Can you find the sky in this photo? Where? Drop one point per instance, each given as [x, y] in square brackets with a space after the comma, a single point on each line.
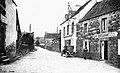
[44, 15]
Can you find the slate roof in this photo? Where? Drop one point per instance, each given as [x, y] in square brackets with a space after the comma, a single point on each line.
[101, 8]
[52, 35]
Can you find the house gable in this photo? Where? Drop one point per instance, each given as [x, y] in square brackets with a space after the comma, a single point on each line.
[101, 8]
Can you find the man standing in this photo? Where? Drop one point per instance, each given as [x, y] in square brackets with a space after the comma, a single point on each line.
[85, 53]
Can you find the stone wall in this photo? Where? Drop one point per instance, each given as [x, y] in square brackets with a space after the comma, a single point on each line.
[114, 58]
[94, 27]
[113, 51]
[94, 50]
[114, 26]
[79, 47]
[56, 47]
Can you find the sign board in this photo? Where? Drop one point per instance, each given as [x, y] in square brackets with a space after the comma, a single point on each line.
[105, 35]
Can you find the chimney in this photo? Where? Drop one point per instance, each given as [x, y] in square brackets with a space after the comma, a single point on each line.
[30, 28]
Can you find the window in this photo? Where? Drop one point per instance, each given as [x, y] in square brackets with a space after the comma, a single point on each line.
[64, 31]
[85, 28]
[72, 27]
[67, 29]
[59, 31]
[103, 24]
[118, 47]
[86, 45]
[67, 42]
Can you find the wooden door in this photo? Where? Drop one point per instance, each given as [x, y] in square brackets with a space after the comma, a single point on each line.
[2, 37]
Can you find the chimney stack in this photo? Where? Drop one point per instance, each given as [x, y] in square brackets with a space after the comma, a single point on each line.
[30, 28]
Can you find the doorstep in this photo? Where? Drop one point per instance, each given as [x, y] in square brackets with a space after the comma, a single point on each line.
[15, 58]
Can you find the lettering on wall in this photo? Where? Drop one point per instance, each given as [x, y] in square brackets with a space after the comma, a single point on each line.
[104, 35]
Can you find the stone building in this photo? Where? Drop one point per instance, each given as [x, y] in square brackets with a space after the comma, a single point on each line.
[52, 41]
[100, 32]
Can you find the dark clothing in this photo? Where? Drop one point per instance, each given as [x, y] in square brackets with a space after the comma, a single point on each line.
[85, 53]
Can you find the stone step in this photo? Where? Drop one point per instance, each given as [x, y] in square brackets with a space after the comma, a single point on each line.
[3, 57]
[2, 53]
[6, 59]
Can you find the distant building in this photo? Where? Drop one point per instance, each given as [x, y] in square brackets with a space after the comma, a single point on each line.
[52, 41]
[28, 39]
[39, 41]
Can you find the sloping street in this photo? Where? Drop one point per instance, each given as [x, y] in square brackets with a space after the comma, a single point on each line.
[44, 61]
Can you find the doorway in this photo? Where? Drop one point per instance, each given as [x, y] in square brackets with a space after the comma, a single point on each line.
[2, 37]
[104, 50]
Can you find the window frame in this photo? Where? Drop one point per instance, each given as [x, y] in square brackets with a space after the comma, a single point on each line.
[63, 31]
[67, 29]
[87, 45]
[72, 31]
[118, 47]
[104, 24]
[85, 28]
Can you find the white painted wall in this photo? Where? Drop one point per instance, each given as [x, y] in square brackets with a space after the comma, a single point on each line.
[11, 34]
[72, 38]
[10, 20]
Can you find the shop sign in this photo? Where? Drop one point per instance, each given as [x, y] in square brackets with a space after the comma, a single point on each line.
[105, 35]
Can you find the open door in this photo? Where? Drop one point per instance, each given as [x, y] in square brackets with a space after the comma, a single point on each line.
[2, 37]
[104, 50]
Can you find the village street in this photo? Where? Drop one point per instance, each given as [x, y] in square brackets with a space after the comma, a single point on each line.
[44, 61]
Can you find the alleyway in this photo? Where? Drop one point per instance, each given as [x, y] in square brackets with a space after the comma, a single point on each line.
[43, 61]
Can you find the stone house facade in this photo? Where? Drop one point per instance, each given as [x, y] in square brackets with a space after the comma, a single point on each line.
[100, 32]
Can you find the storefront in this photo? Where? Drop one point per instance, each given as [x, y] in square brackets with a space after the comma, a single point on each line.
[104, 43]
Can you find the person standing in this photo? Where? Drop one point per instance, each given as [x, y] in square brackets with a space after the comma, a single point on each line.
[85, 53]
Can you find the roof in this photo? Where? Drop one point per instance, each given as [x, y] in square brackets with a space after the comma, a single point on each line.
[14, 2]
[52, 35]
[2, 6]
[101, 8]
[77, 11]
